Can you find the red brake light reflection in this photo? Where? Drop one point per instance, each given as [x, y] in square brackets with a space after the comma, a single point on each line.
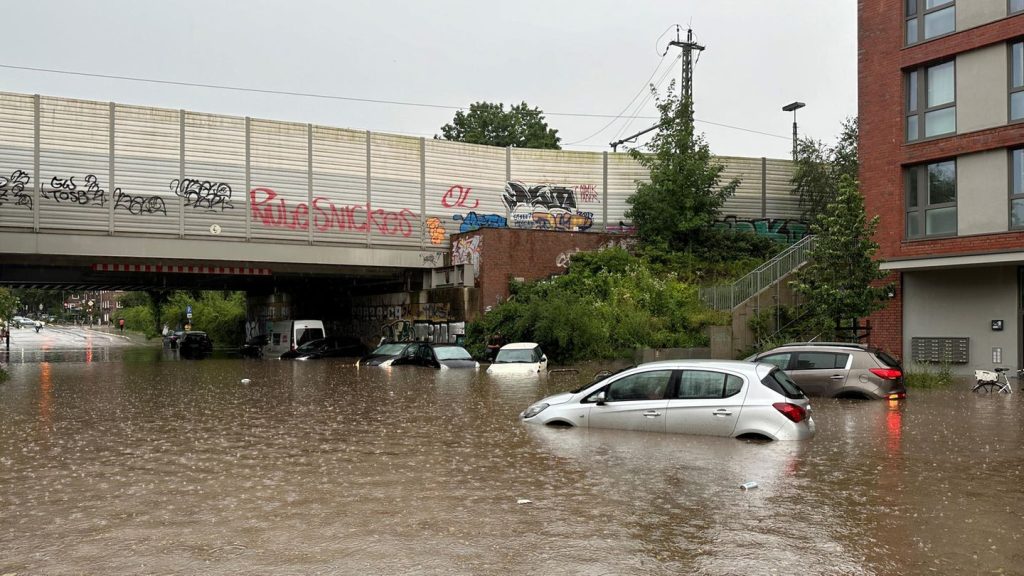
[887, 373]
[791, 411]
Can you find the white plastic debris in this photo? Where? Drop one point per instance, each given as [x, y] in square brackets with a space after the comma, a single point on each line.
[524, 501]
[246, 381]
[748, 485]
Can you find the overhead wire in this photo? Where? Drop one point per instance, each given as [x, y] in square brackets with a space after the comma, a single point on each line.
[626, 107]
[343, 98]
[650, 93]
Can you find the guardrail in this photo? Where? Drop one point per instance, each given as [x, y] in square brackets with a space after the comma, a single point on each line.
[729, 296]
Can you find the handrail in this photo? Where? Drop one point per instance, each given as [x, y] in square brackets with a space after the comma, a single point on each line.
[729, 296]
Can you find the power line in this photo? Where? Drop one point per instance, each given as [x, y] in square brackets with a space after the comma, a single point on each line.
[335, 97]
[271, 91]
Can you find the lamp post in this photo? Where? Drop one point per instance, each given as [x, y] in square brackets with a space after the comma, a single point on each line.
[793, 107]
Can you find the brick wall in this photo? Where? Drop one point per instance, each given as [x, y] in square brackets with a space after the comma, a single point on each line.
[507, 253]
[882, 62]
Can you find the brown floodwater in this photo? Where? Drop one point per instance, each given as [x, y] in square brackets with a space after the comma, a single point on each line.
[146, 465]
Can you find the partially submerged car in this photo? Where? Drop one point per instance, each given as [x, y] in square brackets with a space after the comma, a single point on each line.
[329, 347]
[442, 356]
[839, 370]
[382, 353]
[195, 344]
[709, 397]
[519, 357]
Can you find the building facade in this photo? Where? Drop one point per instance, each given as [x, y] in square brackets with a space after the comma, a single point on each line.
[941, 109]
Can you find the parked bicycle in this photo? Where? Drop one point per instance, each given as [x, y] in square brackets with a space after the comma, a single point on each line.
[994, 381]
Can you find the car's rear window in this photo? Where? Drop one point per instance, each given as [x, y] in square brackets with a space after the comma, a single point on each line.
[780, 382]
[388, 349]
[451, 353]
[889, 361]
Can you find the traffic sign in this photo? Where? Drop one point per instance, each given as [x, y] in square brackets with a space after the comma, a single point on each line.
[188, 311]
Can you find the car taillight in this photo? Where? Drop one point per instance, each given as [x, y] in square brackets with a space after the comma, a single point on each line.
[887, 373]
[791, 411]
[897, 396]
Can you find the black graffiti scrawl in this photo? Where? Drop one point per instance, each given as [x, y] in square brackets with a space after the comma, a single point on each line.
[12, 188]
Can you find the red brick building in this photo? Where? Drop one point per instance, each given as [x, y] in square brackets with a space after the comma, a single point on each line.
[941, 109]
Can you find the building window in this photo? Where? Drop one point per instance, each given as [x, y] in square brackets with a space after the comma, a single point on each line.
[931, 199]
[1017, 81]
[927, 19]
[1017, 188]
[1016, 6]
[931, 101]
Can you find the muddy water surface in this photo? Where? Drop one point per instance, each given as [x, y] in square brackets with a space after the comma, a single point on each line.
[140, 465]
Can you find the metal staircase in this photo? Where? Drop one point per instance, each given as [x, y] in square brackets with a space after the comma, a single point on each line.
[729, 296]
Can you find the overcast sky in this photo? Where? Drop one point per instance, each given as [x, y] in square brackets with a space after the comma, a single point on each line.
[585, 57]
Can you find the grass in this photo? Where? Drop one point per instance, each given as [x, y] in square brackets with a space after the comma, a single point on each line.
[928, 376]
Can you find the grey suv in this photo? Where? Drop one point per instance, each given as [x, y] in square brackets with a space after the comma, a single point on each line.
[839, 370]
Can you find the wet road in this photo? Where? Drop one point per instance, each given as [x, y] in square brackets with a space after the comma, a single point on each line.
[147, 465]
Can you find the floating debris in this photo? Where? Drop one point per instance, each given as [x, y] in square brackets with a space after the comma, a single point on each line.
[748, 485]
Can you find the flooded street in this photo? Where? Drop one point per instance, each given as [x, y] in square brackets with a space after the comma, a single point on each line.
[142, 464]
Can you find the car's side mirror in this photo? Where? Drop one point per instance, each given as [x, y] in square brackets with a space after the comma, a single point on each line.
[600, 398]
[544, 358]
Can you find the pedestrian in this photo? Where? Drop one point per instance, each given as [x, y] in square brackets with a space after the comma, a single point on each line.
[39, 326]
[120, 325]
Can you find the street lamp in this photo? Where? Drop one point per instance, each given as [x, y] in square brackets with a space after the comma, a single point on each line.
[793, 107]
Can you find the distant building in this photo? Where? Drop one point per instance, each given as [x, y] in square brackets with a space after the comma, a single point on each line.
[104, 304]
[941, 108]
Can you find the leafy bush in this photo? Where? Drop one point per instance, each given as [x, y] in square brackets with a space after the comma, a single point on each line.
[608, 304]
[220, 314]
[139, 319]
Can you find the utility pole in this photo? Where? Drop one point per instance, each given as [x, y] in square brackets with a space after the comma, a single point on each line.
[685, 89]
[688, 47]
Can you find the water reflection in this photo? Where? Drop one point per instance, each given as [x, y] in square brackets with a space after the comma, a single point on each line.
[148, 465]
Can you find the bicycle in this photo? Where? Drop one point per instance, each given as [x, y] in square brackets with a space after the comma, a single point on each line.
[993, 381]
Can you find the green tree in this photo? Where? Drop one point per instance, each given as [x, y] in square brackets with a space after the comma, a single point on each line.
[487, 123]
[819, 168]
[219, 314]
[676, 209]
[8, 304]
[840, 280]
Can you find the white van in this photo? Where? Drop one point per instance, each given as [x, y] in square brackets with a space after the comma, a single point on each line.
[290, 334]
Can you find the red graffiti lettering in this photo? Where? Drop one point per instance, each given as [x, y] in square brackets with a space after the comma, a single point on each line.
[275, 212]
[460, 201]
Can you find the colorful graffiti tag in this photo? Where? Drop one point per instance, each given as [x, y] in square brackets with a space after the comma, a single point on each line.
[467, 251]
[778, 229]
[545, 207]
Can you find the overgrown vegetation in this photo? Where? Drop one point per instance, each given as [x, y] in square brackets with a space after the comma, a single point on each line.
[219, 314]
[488, 123]
[928, 376]
[607, 305]
[819, 169]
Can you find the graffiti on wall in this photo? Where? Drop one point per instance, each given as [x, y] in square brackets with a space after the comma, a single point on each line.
[779, 229]
[139, 204]
[467, 251]
[84, 193]
[275, 212]
[435, 229]
[541, 207]
[203, 194]
[545, 207]
[12, 188]
[565, 258]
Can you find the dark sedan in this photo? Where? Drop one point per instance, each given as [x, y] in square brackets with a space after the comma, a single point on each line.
[382, 354]
[329, 347]
[434, 356]
[194, 344]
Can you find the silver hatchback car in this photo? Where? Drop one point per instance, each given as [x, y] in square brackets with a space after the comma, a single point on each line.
[709, 397]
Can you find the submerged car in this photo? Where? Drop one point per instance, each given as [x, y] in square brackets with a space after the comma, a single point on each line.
[519, 357]
[441, 356]
[838, 370]
[253, 347]
[329, 347]
[194, 344]
[382, 353]
[709, 397]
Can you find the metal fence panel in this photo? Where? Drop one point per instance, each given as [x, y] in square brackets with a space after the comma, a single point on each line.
[779, 181]
[555, 190]
[395, 217]
[339, 185]
[623, 175]
[213, 190]
[280, 188]
[746, 201]
[17, 139]
[146, 156]
[74, 160]
[465, 184]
